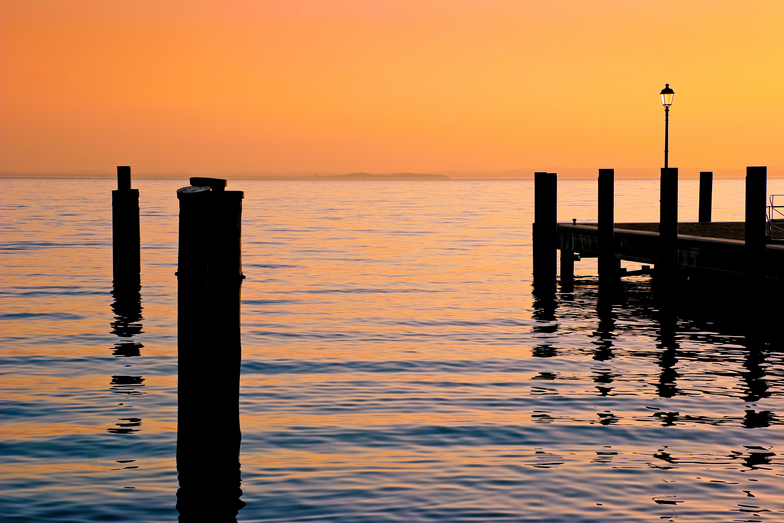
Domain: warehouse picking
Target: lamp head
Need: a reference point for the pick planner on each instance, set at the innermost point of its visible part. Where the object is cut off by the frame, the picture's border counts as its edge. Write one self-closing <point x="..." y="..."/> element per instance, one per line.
<point x="667" y="95"/>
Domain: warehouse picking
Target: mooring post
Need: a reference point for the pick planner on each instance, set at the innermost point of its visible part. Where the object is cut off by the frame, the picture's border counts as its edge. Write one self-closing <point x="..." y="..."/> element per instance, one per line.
<point x="544" y="227"/>
<point x="756" y="195"/>
<point x="126" y="245"/>
<point x="609" y="265"/>
<point x="209" y="350"/>
<point x="668" y="224"/>
<point x="706" y="196"/>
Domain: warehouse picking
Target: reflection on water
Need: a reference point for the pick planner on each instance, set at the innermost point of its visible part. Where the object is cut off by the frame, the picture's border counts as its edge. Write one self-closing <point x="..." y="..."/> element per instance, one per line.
<point x="209" y="473"/>
<point x="127" y="308"/>
<point x="396" y="367"/>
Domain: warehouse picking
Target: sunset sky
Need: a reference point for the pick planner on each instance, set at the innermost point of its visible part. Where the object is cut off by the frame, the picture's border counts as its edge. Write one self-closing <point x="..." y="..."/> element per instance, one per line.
<point x="244" y="86"/>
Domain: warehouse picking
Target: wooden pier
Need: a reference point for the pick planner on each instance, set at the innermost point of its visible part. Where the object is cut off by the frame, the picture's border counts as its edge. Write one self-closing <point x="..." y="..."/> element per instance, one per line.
<point x="722" y="255"/>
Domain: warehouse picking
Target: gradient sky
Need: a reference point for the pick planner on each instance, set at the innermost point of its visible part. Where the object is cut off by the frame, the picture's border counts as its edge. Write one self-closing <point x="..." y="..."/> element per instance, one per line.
<point x="388" y="85"/>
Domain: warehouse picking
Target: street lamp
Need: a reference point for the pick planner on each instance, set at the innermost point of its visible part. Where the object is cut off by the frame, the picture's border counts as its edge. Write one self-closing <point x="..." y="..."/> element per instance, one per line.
<point x="667" y="95"/>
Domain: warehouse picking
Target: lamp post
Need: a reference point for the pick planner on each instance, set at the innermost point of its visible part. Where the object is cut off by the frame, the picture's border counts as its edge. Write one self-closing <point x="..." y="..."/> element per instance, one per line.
<point x="667" y="95"/>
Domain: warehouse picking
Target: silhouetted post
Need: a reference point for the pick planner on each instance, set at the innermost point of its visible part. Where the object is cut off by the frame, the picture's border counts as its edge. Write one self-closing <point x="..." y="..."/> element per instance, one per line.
<point x="544" y="228"/>
<point x="756" y="194"/>
<point x="668" y="224"/>
<point x="706" y="196"/>
<point x="567" y="266"/>
<point x="209" y="351"/>
<point x="609" y="265"/>
<point x="126" y="246"/>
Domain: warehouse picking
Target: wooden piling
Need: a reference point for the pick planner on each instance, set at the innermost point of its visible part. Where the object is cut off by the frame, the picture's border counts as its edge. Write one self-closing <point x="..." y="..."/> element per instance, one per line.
<point x="755" y="233"/>
<point x="756" y="296"/>
<point x="706" y="196"/>
<point x="567" y="268"/>
<point x="209" y="350"/>
<point x="756" y="196"/>
<point x="126" y="244"/>
<point x="608" y="265"/>
<point x="544" y="227"/>
<point x="668" y="224"/>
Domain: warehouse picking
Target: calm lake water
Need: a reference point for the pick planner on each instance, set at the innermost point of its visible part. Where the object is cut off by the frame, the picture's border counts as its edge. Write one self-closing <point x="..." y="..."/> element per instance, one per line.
<point x="394" y="365"/>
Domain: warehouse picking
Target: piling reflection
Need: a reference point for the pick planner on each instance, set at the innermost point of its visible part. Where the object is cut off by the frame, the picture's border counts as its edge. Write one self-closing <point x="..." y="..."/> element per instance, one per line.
<point x="544" y="300"/>
<point x="667" y="343"/>
<point x="604" y="333"/>
<point x="209" y="468"/>
<point x="756" y="387"/>
<point x="127" y="308"/>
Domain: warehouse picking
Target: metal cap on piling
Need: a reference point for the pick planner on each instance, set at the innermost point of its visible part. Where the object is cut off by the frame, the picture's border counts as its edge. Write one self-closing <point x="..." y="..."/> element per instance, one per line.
<point x="216" y="184"/>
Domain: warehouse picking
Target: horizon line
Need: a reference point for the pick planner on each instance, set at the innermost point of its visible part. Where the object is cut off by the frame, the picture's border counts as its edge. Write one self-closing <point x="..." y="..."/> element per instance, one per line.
<point x="774" y="171"/>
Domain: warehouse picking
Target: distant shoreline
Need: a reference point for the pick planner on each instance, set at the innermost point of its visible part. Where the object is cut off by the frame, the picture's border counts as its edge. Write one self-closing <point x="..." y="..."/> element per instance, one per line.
<point x="565" y="174"/>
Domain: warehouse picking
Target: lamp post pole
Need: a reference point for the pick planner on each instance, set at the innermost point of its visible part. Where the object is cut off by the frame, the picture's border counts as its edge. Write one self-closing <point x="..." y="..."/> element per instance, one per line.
<point x="667" y="96"/>
<point x="666" y="135"/>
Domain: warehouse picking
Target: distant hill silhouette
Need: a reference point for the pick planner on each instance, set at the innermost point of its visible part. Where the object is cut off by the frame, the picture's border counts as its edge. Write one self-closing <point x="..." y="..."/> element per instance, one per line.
<point x="393" y="176"/>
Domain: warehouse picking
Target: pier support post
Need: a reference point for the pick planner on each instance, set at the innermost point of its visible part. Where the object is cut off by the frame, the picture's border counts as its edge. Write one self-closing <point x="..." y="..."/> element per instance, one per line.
<point x="126" y="245"/>
<point x="544" y="227"/>
<point x="706" y="196"/>
<point x="756" y="195"/>
<point x="668" y="225"/>
<point x="567" y="267"/>
<point x="609" y="272"/>
<point x="209" y="351"/>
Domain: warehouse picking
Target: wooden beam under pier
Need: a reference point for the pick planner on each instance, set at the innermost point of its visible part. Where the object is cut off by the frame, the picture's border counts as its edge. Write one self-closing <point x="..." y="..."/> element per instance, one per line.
<point x="714" y="249"/>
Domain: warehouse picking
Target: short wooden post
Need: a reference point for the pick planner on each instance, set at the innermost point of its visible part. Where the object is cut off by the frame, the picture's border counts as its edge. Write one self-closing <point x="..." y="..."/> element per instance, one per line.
<point x="706" y="196"/>
<point x="668" y="224"/>
<point x="567" y="266"/>
<point x="608" y="265"/>
<point x="209" y="351"/>
<point x="126" y="244"/>
<point x="544" y="227"/>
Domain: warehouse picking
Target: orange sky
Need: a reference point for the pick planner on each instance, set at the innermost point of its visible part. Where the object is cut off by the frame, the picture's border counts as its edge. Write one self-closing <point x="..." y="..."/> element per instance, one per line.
<point x="388" y="86"/>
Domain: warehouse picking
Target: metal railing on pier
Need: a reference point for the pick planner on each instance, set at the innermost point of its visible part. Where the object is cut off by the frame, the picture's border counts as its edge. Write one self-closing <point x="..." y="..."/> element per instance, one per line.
<point x="775" y="214"/>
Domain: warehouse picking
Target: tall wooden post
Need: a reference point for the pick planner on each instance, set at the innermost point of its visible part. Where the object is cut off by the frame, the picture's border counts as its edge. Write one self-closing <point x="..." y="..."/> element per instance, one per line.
<point x="668" y="224"/>
<point x="209" y="351"/>
<point x="706" y="196"/>
<point x="756" y="195"/>
<point x="544" y="228"/>
<point x="609" y="271"/>
<point x="126" y="245"/>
